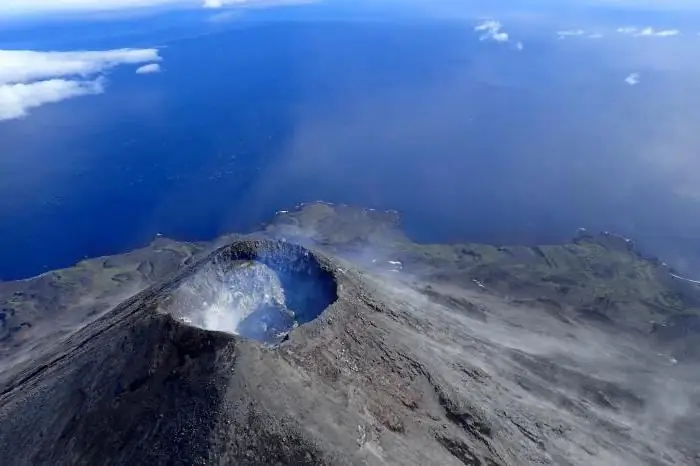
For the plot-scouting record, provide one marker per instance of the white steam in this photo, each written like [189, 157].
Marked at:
[220, 300]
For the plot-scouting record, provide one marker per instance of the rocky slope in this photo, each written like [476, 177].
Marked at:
[581, 353]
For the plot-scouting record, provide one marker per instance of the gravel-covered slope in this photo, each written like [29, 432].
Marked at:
[428, 354]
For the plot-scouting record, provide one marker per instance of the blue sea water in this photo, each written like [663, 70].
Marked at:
[468, 140]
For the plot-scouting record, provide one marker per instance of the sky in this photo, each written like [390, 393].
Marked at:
[40, 7]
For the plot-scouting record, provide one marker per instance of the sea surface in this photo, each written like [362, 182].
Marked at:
[470, 141]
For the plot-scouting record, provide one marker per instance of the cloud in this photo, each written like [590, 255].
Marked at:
[578, 33]
[492, 30]
[17, 66]
[571, 33]
[633, 79]
[29, 79]
[664, 33]
[50, 6]
[17, 99]
[231, 4]
[627, 30]
[149, 69]
[648, 32]
[33, 7]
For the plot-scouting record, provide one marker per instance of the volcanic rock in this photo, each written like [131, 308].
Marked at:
[465, 355]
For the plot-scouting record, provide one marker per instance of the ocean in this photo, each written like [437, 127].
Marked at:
[469, 140]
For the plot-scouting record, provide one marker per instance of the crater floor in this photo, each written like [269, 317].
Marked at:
[258, 290]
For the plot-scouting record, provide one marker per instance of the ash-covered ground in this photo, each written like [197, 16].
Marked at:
[389, 352]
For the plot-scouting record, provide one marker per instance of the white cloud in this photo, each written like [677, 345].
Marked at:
[662, 33]
[571, 33]
[500, 37]
[25, 65]
[29, 79]
[492, 30]
[578, 33]
[19, 7]
[17, 99]
[648, 32]
[627, 30]
[149, 69]
[24, 7]
[633, 79]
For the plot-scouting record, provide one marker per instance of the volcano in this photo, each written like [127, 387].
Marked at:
[305, 343]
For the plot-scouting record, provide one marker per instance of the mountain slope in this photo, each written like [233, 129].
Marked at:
[581, 353]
